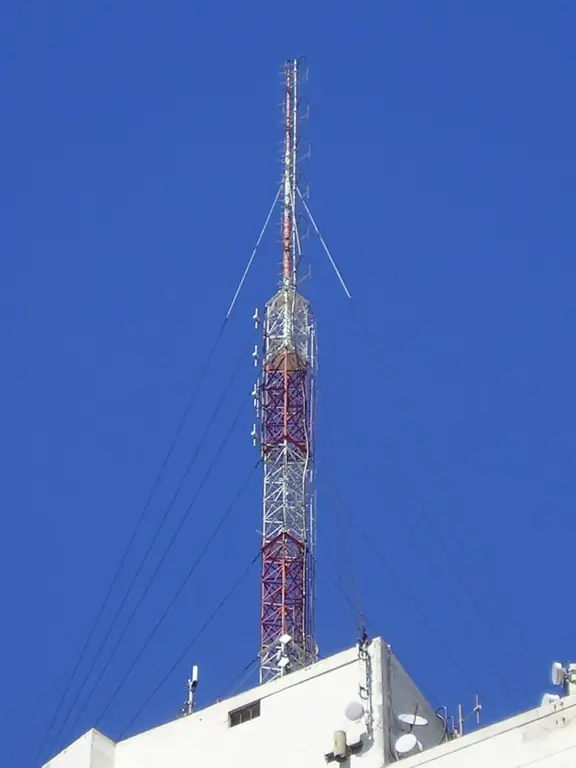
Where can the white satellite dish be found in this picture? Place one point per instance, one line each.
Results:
(406, 743)
(549, 698)
(354, 711)
(413, 719)
(558, 674)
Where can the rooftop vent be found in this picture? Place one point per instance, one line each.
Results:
(243, 714)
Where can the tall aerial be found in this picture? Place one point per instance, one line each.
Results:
(286, 407)
(359, 707)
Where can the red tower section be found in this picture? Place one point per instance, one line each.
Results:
(286, 400)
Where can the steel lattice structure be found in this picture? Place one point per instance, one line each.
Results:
(286, 400)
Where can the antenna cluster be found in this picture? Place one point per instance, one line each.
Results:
(562, 676)
(408, 743)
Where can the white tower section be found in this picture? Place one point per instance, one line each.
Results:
(287, 441)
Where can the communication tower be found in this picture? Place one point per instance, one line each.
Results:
(286, 392)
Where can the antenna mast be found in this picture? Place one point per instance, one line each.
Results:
(286, 410)
(289, 177)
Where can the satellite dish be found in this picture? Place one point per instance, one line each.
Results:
(354, 711)
(406, 743)
(413, 719)
(549, 698)
(558, 674)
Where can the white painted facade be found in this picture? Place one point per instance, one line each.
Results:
(543, 738)
(93, 750)
(296, 717)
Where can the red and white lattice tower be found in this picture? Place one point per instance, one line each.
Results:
(287, 390)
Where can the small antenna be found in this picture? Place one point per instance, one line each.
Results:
(477, 709)
(564, 676)
(188, 707)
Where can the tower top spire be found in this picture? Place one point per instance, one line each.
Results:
(289, 234)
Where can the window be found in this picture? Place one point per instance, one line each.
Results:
(245, 713)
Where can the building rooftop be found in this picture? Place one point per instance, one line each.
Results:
(358, 708)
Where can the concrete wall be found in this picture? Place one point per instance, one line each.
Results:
(296, 724)
(103, 751)
(93, 750)
(77, 755)
(298, 716)
(300, 713)
(542, 738)
(406, 699)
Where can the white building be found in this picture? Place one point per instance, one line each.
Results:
(351, 708)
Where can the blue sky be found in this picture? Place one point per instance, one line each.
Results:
(141, 154)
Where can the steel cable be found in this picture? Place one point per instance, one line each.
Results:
(165, 554)
(178, 592)
(155, 485)
(158, 565)
(132, 539)
(189, 646)
(151, 544)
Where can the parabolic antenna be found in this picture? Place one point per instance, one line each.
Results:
(354, 711)
(406, 743)
(413, 719)
(558, 674)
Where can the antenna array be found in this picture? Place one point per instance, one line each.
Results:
(285, 404)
